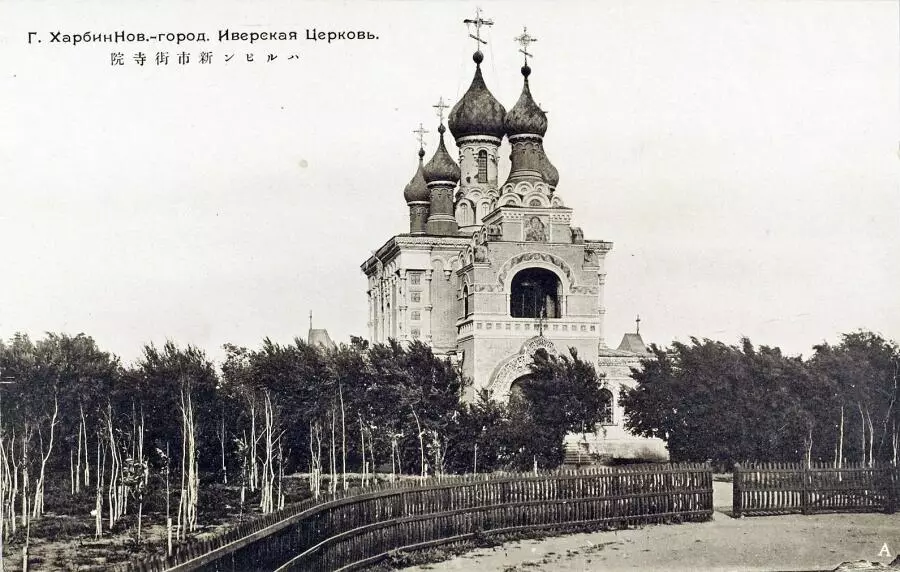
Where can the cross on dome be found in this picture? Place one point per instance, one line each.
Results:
(525, 40)
(420, 135)
(637, 324)
(440, 106)
(478, 21)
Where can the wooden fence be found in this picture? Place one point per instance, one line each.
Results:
(783, 488)
(358, 528)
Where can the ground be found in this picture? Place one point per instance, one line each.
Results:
(793, 542)
(63, 539)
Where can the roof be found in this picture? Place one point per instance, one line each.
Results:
(633, 343)
(320, 337)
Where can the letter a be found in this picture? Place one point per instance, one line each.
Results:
(884, 551)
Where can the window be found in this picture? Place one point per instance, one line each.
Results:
(465, 297)
(606, 407)
(415, 315)
(415, 296)
(482, 166)
(464, 214)
(415, 278)
(536, 293)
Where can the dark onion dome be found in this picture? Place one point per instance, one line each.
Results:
(416, 190)
(442, 167)
(549, 172)
(526, 117)
(478, 112)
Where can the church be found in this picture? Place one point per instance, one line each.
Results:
(488, 273)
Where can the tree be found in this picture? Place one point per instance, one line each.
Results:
(478, 441)
(709, 400)
(862, 374)
(561, 395)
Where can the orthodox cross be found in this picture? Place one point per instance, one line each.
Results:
(440, 106)
(637, 324)
(479, 22)
(524, 40)
(420, 135)
(310, 319)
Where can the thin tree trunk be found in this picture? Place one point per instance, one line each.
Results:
(254, 476)
(39, 490)
(362, 448)
(332, 485)
(871, 437)
(222, 442)
(77, 468)
(343, 438)
(87, 466)
(421, 444)
(862, 426)
(840, 454)
(168, 502)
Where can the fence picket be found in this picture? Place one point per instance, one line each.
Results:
(355, 528)
(779, 488)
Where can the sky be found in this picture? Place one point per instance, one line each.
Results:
(741, 156)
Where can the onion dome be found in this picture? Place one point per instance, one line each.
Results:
(442, 167)
(416, 190)
(478, 112)
(526, 117)
(549, 172)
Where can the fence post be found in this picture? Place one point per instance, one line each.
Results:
(804, 490)
(737, 507)
(892, 489)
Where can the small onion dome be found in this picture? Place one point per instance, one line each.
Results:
(477, 112)
(416, 190)
(442, 167)
(526, 117)
(549, 172)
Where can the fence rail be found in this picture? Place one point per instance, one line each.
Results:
(783, 488)
(357, 528)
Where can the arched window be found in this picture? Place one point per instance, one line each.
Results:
(482, 166)
(536, 293)
(606, 407)
(464, 213)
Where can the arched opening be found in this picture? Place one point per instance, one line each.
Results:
(516, 392)
(536, 293)
(482, 166)
(606, 407)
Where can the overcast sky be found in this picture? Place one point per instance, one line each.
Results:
(741, 156)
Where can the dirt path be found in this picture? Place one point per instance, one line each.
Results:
(793, 542)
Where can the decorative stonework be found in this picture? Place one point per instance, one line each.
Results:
(518, 365)
(535, 257)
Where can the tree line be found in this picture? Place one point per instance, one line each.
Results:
(75, 414)
(732, 403)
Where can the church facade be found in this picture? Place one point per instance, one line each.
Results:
(489, 273)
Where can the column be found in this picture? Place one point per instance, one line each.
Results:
(427, 306)
(402, 305)
(601, 309)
